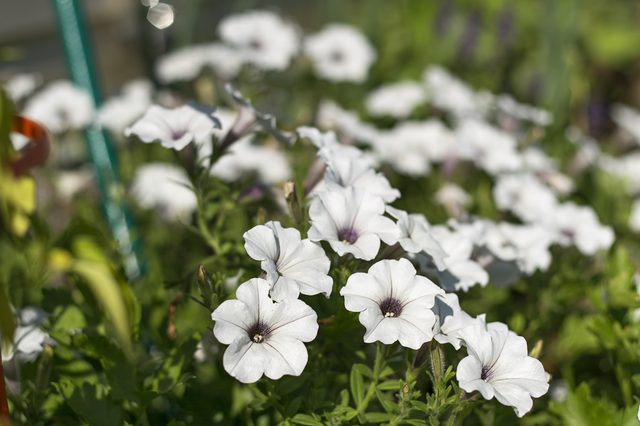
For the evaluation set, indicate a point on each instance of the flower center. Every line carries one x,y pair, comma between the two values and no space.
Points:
258,332
347,235
391,308
255,44
486,374
336,56
178,134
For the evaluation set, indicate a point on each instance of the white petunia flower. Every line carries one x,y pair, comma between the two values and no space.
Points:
450,94
498,366
164,187
292,265
347,168
261,38
461,271
453,198
332,116
340,52
396,100
450,319
524,195
268,162
394,303
491,149
527,245
120,111
411,147
508,106
60,106
578,225
20,86
264,338
187,63
628,119
634,217
28,339
173,128
415,236
351,221
626,168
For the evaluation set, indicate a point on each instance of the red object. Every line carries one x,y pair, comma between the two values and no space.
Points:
36,152
4,405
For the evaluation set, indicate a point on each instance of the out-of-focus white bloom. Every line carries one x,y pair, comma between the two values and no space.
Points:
626,168
628,119
415,236
332,116
340,52
264,337
60,106
69,183
261,38
525,196
634,217
318,139
186,64
461,271
120,111
166,188
394,303
396,99
28,339
453,198
267,162
292,265
180,65
448,93
498,366
578,225
411,147
174,128
509,106
527,245
558,390
346,170
351,221
489,148
22,85
535,159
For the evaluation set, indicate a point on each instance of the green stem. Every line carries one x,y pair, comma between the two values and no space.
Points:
377,370
209,238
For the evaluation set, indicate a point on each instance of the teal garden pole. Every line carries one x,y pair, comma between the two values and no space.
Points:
77,49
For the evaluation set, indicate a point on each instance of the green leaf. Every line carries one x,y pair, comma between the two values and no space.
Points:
391,385
305,419
379,417
357,384
106,291
7,322
581,409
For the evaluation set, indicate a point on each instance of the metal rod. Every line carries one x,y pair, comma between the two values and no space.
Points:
77,49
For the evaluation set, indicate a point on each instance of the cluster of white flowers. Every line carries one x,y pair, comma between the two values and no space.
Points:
349,209
266,41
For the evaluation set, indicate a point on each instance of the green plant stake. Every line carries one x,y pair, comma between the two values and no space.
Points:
103,158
